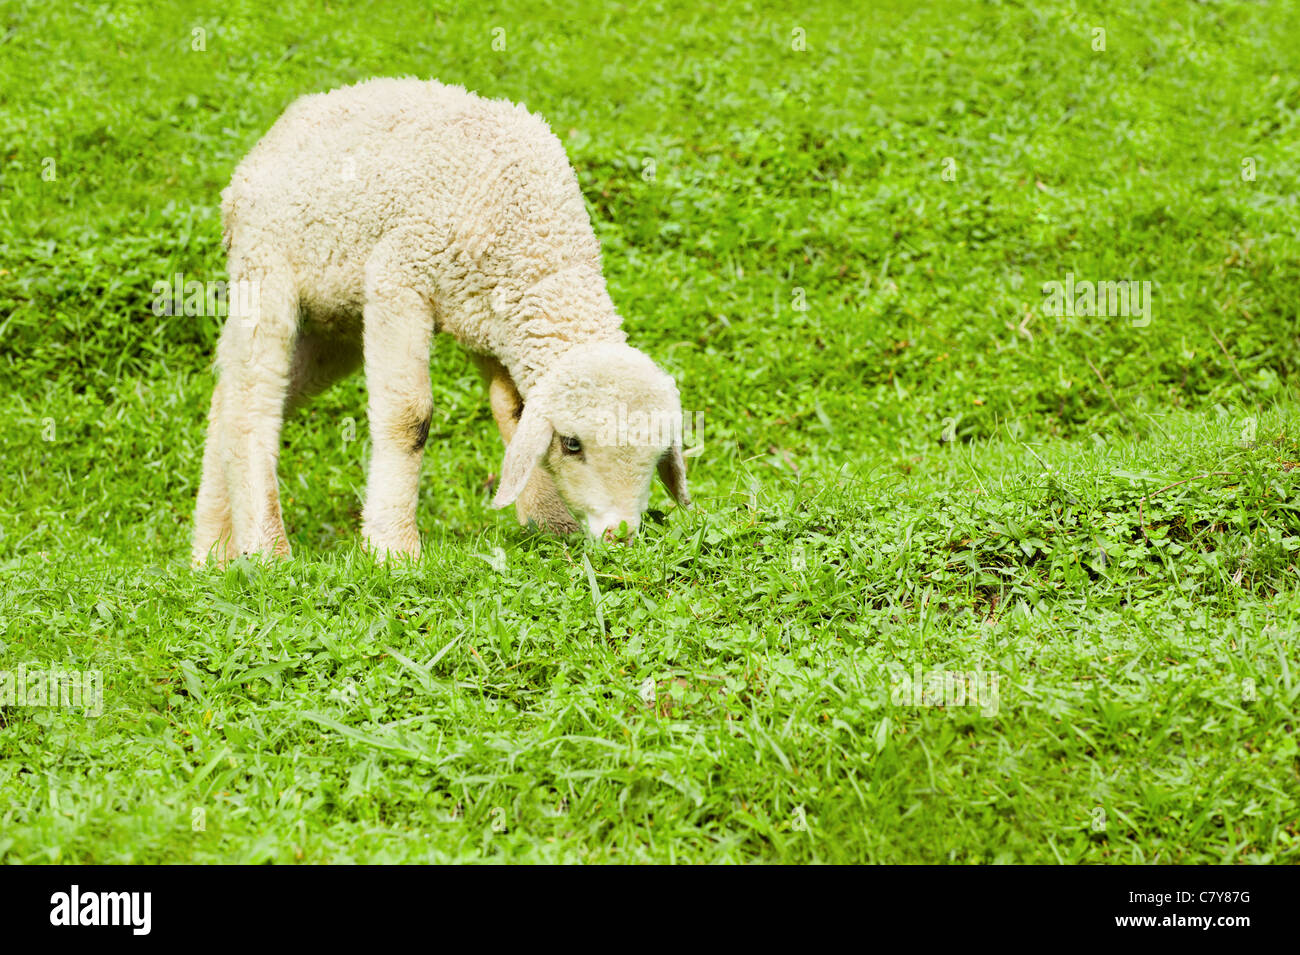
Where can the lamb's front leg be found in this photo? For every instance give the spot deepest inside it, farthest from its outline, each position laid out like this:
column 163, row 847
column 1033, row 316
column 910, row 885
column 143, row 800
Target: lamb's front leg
column 398, row 329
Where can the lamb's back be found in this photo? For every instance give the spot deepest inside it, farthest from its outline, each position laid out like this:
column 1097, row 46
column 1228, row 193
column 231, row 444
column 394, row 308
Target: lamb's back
column 338, row 170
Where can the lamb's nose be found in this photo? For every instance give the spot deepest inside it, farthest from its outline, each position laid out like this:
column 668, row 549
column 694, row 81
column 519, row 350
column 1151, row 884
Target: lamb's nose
column 622, row 531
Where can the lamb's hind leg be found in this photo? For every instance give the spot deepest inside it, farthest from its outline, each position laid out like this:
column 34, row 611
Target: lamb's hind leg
column 212, row 525
column 539, row 502
column 253, row 359
column 399, row 324
column 318, row 361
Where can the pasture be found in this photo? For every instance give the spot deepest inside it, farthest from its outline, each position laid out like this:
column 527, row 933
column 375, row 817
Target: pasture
column 969, row 578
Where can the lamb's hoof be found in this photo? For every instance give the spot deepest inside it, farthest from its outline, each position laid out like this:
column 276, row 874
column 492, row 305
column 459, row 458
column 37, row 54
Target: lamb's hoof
column 277, row 549
column 264, row 553
column 217, row 557
column 384, row 551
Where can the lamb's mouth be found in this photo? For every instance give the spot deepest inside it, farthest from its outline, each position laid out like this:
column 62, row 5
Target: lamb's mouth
column 621, row 530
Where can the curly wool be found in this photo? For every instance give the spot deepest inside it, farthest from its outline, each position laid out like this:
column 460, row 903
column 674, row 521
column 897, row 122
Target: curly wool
column 475, row 197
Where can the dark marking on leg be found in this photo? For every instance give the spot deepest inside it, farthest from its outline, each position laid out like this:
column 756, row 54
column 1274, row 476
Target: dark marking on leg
column 421, row 432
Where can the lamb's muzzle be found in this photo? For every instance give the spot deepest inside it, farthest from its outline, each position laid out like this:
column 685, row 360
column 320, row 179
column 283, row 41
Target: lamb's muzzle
column 625, row 415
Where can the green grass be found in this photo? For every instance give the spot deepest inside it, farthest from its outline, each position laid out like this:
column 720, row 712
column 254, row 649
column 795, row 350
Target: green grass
column 921, row 468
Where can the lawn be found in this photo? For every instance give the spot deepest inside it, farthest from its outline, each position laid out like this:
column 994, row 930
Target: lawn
column 967, row 580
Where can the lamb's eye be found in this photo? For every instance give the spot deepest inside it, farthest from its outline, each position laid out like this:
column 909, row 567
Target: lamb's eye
column 571, row 445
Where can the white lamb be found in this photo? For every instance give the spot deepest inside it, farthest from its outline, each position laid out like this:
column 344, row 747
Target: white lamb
column 367, row 219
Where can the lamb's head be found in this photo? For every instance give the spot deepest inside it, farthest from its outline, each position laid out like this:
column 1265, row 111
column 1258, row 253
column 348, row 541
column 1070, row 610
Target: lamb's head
column 601, row 420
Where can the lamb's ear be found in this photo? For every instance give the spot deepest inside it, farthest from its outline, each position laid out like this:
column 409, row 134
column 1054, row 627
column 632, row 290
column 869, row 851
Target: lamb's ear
column 672, row 471
column 527, row 448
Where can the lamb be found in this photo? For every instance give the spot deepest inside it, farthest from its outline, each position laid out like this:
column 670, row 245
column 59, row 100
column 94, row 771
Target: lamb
column 369, row 218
